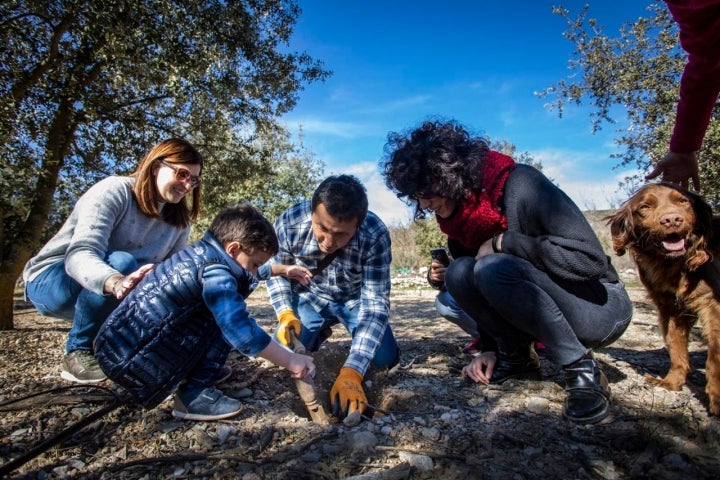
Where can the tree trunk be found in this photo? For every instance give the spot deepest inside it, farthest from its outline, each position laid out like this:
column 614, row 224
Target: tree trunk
column 20, row 245
column 7, row 290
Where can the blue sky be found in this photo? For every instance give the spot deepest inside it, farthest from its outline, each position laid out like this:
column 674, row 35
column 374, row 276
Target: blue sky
column 397, row 63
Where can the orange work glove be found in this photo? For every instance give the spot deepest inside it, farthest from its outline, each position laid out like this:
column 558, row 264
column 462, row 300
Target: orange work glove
column 288, row 321
column 347, row 394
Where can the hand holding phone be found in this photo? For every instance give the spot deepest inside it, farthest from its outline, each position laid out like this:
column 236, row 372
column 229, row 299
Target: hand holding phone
column 441, row 255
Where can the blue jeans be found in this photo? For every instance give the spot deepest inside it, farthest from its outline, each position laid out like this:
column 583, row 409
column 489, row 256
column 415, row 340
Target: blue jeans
column 208, row 369
column 313, row 324
column 447, row 307
column 568, row 317
column 55, row 294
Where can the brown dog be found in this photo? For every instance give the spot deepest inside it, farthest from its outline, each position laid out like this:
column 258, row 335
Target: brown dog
column 674, row 239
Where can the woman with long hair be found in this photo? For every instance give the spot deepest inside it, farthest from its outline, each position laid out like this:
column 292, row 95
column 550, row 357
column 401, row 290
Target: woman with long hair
column 117, row 231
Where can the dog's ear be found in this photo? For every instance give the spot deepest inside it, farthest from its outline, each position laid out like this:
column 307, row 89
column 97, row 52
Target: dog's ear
column 704, row 232
column 621, row 228
column 703, row 214
column 710, row 272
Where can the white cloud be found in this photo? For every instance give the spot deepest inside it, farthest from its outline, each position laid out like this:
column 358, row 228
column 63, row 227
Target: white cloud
column 590, row 187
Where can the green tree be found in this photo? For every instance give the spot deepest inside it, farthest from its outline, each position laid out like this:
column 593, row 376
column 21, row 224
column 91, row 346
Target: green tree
column 86, row 87
column 284, row 173
column 503, row 146
column 631, row 81
column 405, row 254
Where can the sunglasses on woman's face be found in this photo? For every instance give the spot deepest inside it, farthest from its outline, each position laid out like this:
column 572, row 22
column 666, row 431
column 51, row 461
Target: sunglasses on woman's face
column 183, row 175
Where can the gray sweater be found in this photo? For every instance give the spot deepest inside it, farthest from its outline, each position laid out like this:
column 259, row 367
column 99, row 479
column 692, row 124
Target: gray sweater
column 106, row 219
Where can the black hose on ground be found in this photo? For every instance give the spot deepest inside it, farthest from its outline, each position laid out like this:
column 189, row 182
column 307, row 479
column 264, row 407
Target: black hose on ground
column 118, row 401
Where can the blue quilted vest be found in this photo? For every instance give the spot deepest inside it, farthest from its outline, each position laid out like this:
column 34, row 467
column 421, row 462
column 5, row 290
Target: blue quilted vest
column 162, row 329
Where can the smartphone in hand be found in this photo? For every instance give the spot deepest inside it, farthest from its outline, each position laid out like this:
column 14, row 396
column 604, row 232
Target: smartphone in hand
column 441, row 255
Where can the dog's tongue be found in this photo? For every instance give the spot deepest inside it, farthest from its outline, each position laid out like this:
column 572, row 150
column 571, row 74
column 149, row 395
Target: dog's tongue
column 675, row 246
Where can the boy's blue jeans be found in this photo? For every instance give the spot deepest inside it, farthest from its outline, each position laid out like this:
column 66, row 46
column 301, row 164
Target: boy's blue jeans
column 55, row 294
column 313, row 322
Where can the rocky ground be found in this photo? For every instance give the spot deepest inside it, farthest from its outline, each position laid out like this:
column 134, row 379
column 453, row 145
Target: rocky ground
column 428, row 423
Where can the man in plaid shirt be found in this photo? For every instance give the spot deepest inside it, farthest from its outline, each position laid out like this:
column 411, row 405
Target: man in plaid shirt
column 348, row 250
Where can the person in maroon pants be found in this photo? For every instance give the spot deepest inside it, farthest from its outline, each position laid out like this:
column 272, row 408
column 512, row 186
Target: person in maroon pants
column 699, row 22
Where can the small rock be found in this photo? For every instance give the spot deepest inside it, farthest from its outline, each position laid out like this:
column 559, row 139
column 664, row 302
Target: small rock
column 676, row 462
column 532, row 451
column 312, row 457
column 431, row 433
column 332, row 449
column 76, row 463
column 60, row 471
column 352, row 419
column 476, row 401
column 80, row 412
column 362, row 442
column 224, row 432
column 421, row 462
column 538, row 405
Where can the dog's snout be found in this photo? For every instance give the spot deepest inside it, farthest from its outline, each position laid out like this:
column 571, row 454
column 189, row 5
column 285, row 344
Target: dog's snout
column 672, row 219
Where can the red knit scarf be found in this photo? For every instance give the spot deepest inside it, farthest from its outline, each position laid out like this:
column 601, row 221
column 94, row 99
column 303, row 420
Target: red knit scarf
column 478, row 217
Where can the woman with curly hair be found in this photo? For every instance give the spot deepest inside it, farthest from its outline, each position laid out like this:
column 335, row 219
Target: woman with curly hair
column 117, row 230
column 527, row 266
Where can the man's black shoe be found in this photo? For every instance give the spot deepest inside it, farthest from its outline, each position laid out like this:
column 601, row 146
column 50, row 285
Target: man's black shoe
column 516, row 365
column 588, row 393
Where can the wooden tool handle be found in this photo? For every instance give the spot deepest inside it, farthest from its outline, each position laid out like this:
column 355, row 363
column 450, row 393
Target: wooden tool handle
column 306, row 387
column 297, row 345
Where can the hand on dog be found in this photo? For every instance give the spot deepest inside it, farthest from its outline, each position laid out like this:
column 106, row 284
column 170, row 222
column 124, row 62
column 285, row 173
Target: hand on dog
column 677, row 168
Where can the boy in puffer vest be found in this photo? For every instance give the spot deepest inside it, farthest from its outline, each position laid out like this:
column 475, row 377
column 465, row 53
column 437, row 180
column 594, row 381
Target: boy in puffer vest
column 173, row 332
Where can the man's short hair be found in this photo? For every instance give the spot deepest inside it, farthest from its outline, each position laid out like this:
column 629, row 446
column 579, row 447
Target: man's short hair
column 344, row 198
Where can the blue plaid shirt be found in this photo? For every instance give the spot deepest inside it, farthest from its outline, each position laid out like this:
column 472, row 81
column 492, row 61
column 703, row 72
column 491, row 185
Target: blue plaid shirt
column 360, row 274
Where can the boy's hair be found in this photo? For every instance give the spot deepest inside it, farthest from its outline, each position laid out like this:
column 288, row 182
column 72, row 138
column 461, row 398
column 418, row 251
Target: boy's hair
column 244, row 224
column 344, row 198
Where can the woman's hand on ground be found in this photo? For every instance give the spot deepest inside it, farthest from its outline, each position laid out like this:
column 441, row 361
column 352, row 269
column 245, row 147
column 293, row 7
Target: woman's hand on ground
column 480, row 368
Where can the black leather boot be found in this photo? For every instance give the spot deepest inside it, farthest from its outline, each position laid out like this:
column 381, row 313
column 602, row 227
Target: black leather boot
column 523, row 364
column 588, row 393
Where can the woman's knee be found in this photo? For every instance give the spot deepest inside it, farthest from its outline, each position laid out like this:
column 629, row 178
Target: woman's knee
column 459, row 274
column 493, row 271
column 467, row 272
column 123, row 262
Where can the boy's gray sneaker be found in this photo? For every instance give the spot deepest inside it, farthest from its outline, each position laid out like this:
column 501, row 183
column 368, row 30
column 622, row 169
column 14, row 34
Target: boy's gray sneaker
column 80, row 366
column 209, row 404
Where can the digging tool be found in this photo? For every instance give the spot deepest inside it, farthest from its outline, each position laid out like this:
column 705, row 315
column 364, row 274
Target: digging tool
column 306, row 388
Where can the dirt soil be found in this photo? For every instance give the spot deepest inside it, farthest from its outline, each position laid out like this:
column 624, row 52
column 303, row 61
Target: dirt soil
column 428, row 422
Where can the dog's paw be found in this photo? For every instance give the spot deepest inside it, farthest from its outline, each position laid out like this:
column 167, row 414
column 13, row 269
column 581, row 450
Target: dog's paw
column 666, row 383
column 713, row 393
